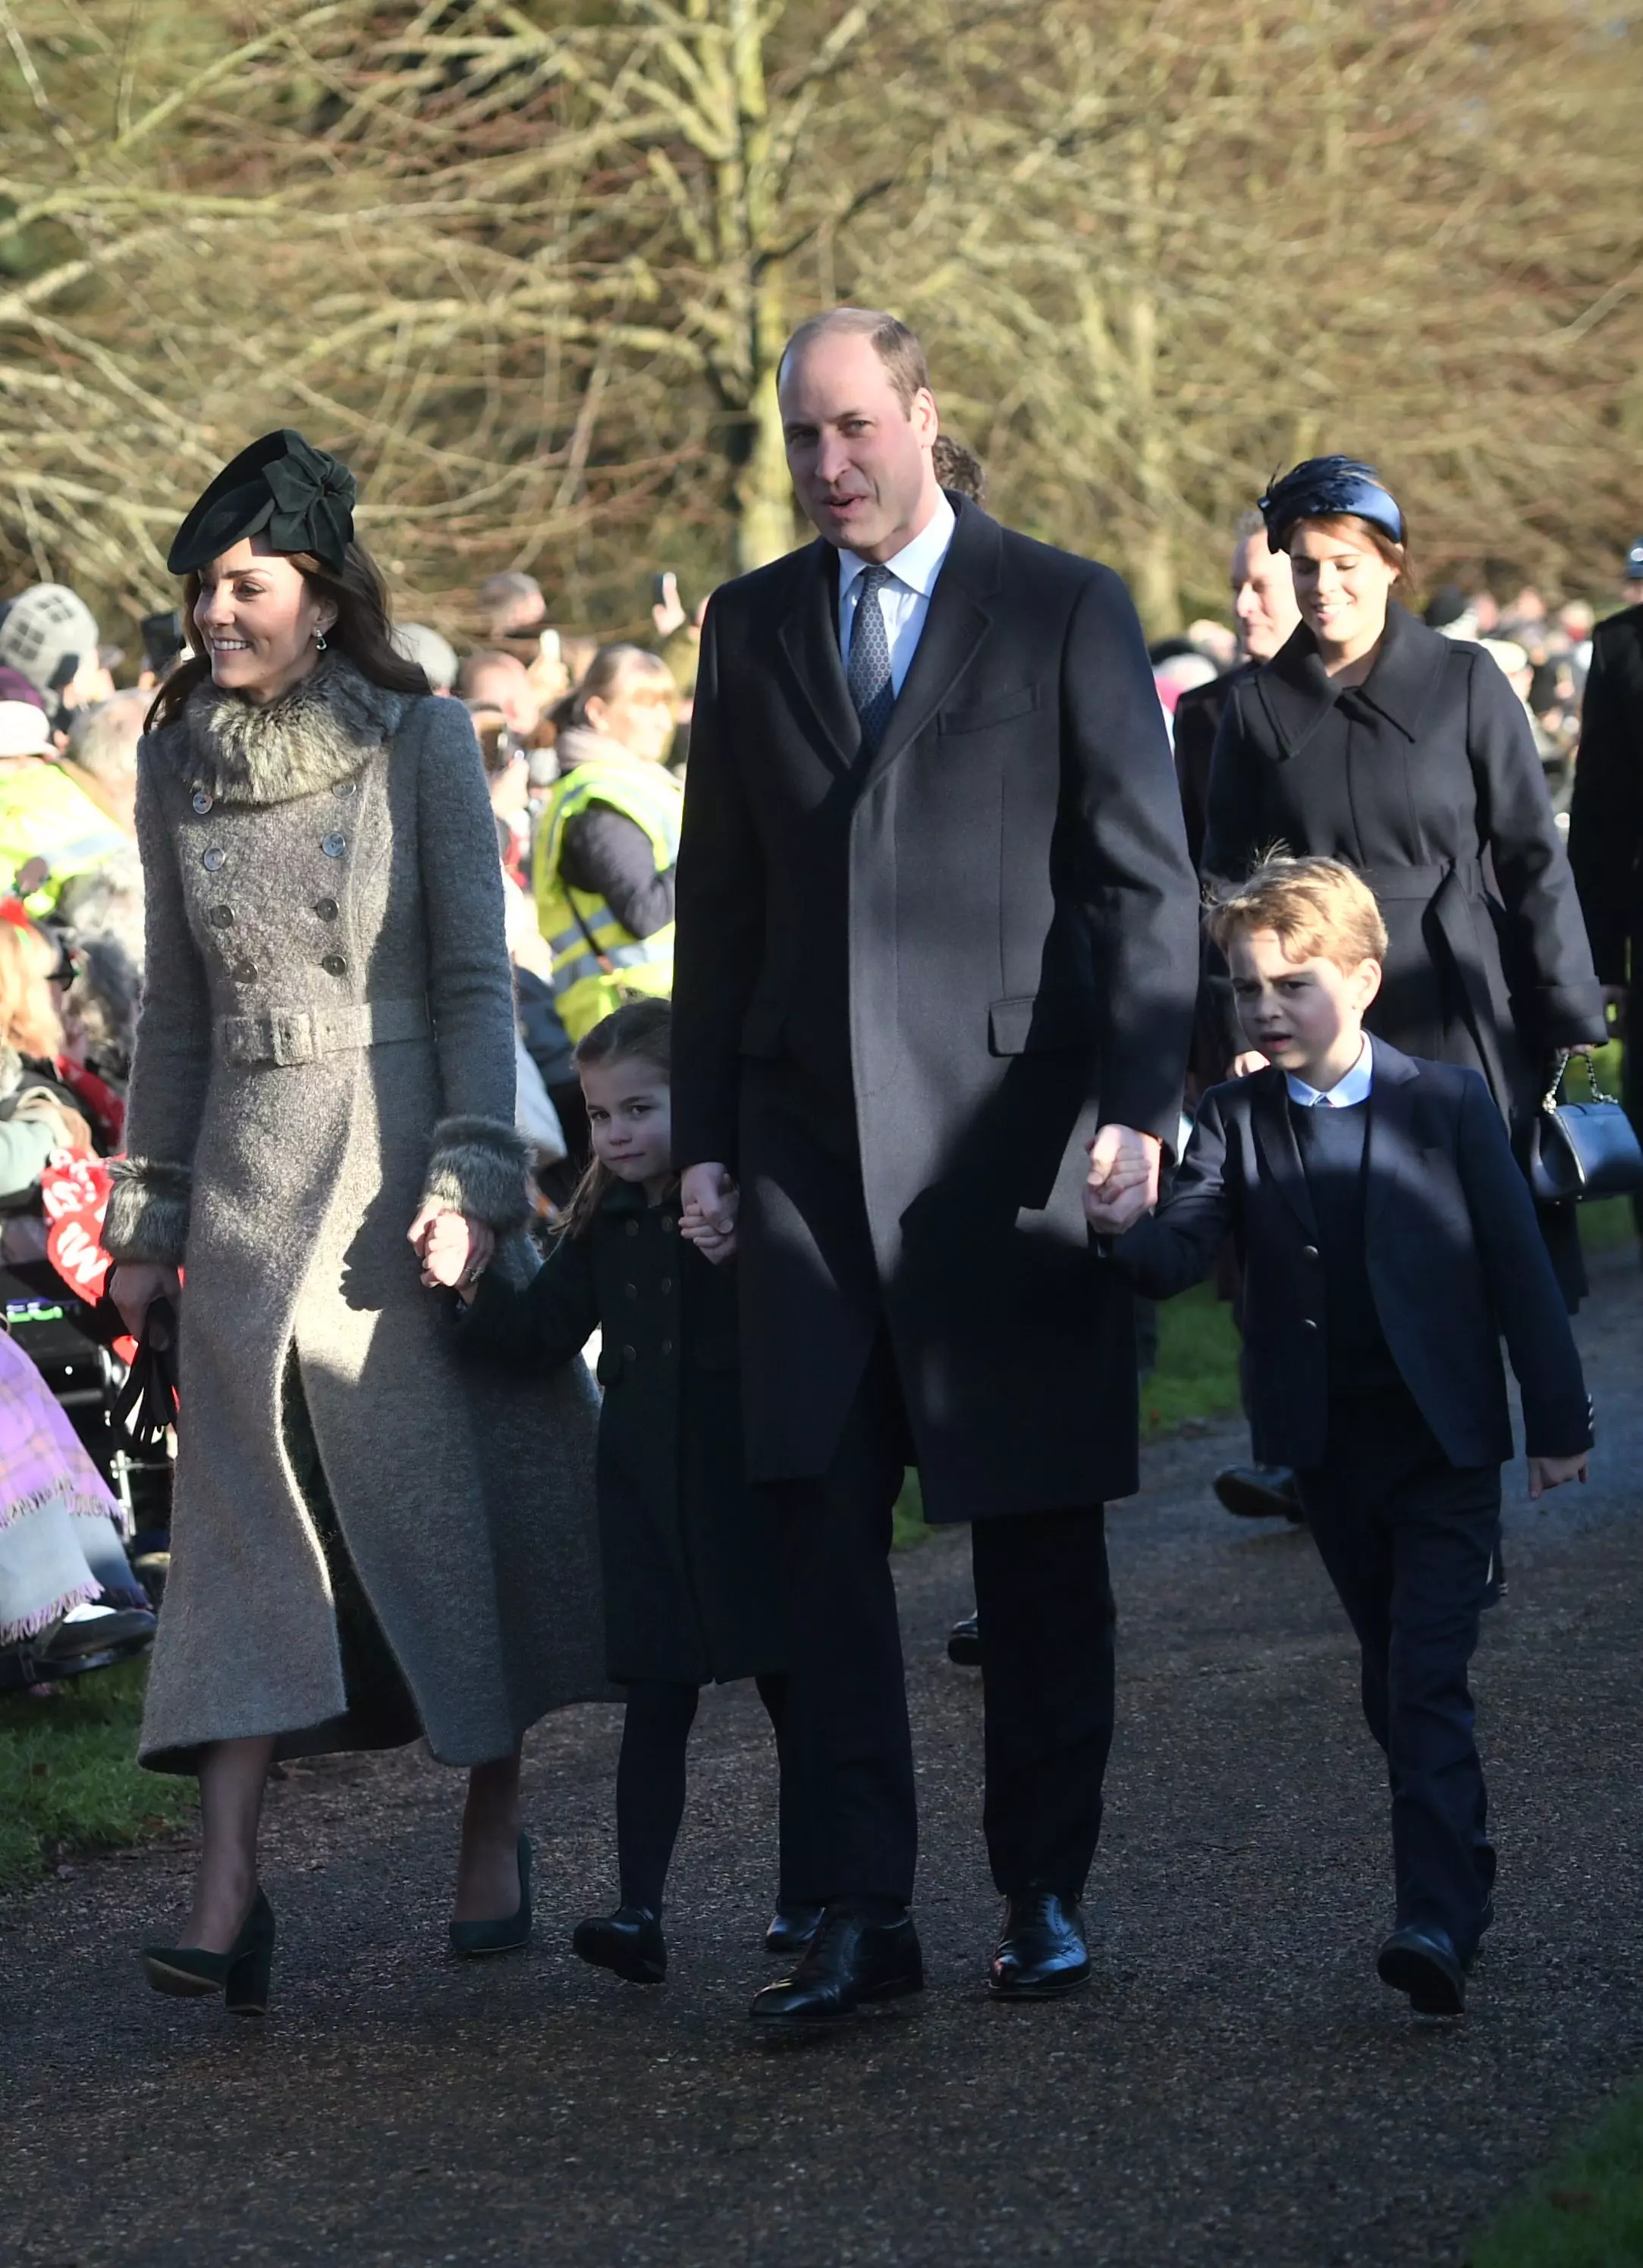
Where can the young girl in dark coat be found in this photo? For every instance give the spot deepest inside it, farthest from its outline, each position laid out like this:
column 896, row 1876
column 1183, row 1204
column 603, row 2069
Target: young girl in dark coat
column 689, row 1568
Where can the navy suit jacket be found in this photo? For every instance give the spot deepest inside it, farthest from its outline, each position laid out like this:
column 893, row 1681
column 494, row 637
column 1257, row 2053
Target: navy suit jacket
column 1455, row 1259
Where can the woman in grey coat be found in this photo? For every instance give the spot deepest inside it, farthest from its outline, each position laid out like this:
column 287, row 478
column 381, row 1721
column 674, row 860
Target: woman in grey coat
column 367, row 1545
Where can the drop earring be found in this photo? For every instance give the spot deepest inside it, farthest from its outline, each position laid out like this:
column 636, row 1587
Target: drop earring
column 319, row 641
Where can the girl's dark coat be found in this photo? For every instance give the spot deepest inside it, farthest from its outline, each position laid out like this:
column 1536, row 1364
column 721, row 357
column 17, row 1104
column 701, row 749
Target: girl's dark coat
column 1424, row 777
column 689, row 1572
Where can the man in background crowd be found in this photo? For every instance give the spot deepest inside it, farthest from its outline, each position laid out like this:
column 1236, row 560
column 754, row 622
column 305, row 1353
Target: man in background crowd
column 1264, row 609
column 500, row 682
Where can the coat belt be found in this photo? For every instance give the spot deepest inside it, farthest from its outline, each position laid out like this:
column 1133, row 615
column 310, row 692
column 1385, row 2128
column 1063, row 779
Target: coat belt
column 299, row 1035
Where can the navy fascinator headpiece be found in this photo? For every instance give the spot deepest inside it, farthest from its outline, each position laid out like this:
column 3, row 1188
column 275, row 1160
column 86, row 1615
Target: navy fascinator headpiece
column 1325, row 487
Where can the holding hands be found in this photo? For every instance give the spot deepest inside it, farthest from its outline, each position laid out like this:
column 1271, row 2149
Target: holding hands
column 709, row 1203
column 453, row 1250
column 1123, row 1183
column 1551, row 1472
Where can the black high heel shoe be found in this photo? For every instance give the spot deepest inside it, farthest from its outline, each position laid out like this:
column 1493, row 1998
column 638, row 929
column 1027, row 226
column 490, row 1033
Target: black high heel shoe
column 472, row 1938
column 242, row 1975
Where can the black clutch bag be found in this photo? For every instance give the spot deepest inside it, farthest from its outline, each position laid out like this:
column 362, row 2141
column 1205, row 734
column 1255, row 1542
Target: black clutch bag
column 1581, row 1150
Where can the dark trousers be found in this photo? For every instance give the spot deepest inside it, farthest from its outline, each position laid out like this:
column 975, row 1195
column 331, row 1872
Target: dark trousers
column 1406, row 1538
column 1045, row 1604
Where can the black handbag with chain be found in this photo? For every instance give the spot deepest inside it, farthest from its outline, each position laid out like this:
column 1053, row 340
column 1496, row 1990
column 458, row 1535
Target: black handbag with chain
column 1582, row 1150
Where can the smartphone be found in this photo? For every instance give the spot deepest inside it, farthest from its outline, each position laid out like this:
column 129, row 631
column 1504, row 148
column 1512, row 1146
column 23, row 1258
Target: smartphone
column 665, row 588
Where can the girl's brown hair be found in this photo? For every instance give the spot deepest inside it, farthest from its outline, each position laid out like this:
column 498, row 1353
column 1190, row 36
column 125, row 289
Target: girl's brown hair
column 640, row 1031
column 364, row 630
column 29, row 1020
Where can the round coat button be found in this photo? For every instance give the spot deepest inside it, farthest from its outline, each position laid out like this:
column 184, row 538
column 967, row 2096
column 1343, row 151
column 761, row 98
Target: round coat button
column 633, row 1228
column 346, row 787
column 333, row 845
column 1309, row 1323
column 214, row 860
column 1308, row 1251
column 202, row 801
column 245, row 971
column 326, row 908
column 629, row 1355
column 335, row 964
column 667, row 1346
column 668, row 1283
column 632, row 1291
column 221, row 916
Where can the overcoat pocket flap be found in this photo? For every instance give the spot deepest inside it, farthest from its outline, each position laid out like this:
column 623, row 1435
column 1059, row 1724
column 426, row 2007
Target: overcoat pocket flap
column 610, row 1365
column 1000, row 710
column 1059, row 1021
column 717, row 1351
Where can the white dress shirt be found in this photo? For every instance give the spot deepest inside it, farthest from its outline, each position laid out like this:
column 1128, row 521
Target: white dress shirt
column 1351, row 1086
column 905, row 601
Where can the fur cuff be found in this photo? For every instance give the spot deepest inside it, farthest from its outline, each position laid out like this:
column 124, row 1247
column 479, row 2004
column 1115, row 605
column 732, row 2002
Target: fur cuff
column 147, row 1211
column 479, row 1166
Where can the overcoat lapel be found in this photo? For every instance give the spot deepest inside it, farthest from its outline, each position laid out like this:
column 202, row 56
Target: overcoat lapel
column 958, row 620
column 1281, row 1152
column 1392, row 1146
column 809, row 639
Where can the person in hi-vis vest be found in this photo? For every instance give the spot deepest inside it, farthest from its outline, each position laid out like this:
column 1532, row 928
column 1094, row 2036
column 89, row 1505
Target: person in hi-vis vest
column 603, row 866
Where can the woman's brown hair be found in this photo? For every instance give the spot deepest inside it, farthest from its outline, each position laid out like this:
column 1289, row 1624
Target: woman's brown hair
column 640, row 1031
column 605, row 671
column 1348, row 526
column 364, row 630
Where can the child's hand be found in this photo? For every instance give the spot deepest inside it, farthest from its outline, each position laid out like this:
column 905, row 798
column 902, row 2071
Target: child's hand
column 455, row 1251
column 1551, row 1472
column 1122, row 1181
column 713, row 1243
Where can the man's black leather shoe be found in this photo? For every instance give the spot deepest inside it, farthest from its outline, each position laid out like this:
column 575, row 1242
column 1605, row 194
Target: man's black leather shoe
column 629, row 1941
column 849, row 1965
column 791, row 1928
column 1040, row 1952
column 1260, row 1492
column 1423, row 1964
column 964, row 1643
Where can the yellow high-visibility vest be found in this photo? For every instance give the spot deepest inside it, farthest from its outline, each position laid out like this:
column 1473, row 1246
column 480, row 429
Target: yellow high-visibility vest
column 598, row 963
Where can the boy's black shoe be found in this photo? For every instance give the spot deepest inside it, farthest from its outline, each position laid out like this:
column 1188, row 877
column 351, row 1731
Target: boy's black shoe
column 629, row 1941
column 1260, row 1492
column 1423, row 1964
column 964, row 1643
column 1040, row 1953
column 850, row 1964
column 791, row 1927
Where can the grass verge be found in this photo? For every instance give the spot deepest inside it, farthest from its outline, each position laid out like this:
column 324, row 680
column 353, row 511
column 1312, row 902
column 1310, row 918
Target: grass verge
column 68, row 1777
column 1586, row 2211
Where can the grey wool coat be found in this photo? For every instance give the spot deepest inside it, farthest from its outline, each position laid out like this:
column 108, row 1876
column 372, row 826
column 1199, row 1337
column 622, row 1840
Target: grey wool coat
column 326, row 1037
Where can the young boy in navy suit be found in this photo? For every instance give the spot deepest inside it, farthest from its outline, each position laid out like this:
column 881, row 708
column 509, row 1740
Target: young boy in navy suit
column 1389, row 1242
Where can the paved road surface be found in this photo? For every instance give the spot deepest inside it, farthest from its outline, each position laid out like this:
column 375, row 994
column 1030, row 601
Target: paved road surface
column 1235, row 2088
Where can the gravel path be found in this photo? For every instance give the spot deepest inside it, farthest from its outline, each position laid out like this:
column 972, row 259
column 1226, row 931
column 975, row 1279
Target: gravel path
column 1236, row 2087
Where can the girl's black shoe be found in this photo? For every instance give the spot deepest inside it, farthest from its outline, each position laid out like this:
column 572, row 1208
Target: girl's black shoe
column 242, row 1975
column 629, row 1941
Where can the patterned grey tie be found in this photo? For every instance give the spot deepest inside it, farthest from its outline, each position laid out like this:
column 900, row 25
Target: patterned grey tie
column 871, row 686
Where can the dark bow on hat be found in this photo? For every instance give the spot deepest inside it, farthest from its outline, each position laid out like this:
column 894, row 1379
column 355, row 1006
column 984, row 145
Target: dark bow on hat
column 297, row 497
column 1327, row 487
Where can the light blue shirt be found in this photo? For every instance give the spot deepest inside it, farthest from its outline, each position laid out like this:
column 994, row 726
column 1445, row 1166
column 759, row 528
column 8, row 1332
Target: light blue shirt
column 904, row 601
column 1351, row 1086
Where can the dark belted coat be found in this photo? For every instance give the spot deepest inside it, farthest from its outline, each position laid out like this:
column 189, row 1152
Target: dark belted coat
column 688, row 1554
column 326, row 1036
column 1424, row 778
column 908, row 987
column 1606, row 813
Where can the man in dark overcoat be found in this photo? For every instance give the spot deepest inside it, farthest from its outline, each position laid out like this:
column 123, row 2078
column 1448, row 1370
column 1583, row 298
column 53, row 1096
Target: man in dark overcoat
column 936, row 931
column 1606, row 821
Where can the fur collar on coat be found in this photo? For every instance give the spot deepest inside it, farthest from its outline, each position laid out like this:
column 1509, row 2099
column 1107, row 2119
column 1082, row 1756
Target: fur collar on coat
column 319, row 732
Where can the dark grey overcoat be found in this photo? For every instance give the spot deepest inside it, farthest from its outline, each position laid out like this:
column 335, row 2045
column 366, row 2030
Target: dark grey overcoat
column 689, row 1558
column 1424, row 778
column 325, row 1035
column 910, row 985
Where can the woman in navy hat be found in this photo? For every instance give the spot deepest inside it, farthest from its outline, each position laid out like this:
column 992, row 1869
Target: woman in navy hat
column 368, row 1546
column 1371, row 739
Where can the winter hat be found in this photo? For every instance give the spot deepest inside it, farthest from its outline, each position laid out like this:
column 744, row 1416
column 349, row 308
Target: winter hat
column 434, row 656
column 45, row 635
